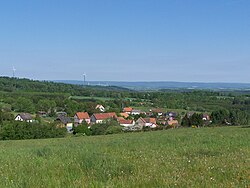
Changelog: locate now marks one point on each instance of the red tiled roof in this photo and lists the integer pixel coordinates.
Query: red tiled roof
(124, 121)
(127, 109)
(124, 115)
(82, 115)
(150, 120)
(102, 116)
(173, 122)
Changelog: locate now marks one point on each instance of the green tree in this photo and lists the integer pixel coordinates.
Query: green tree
(185, 121)
(196, 119)
(82, 128)
(46, 105)
(220, 116)
(24, 105)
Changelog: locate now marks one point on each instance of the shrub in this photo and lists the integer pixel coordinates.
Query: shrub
(110, 126)
(22, 130)
(113, 130)
(83, 129)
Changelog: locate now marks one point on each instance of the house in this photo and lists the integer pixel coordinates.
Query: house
(125, 115)
(79, 117)
(150, 122)
(127, 110)
(149, 114)
(205, 117)
(100, 107)
(172, 115)
(173, 123)
(126, 123)
(140, 123)
(61, 113)
(136, 112)
(100, 117)
(146, 122)
(64, 121)
(158, 111)
(24, 117)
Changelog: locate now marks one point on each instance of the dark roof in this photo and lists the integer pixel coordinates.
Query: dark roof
(189, 114)
(25, 116)
(64, 119)
(172, 114)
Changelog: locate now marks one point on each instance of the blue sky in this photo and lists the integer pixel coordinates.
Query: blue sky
(132, 40)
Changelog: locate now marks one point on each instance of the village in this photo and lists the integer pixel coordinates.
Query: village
(129, 119)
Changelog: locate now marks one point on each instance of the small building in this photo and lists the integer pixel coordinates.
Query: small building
(100, 107)
(173, 123)
(24, 117)
(158, 112)
(172, 114)
(125, 115)
(136, 112)
(150, 122)
(140, 123)
(127, 110)
(79, 117)
(146, 122)
(64, 121)
(126, 123)
(206, 117)
(100, 117)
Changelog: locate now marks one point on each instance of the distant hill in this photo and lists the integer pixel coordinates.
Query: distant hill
(22, 84)
(165, 85)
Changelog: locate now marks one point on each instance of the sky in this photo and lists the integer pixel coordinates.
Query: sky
(126, 40)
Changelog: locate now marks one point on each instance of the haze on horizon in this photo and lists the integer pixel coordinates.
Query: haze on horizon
(115, 40)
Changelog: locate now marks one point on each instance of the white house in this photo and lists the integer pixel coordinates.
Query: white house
(135, 112)
(146, 122)
(126, 123)
(24, 117)
(100, 107)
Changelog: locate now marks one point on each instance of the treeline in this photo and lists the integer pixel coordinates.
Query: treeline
(20, 84)
(16, 130)
(219, 117)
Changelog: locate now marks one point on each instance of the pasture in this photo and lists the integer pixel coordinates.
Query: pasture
(206, 157)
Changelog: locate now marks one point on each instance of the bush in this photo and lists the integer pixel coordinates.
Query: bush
(83, 129)
(108, 127)
(22, 130)
(98, 129)
(113, 130)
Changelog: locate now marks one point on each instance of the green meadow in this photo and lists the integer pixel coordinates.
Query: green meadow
(205, 157)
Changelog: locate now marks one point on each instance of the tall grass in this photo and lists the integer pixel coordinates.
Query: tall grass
(207, 157)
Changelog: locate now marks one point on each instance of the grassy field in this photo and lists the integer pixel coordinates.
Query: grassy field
(207, 157)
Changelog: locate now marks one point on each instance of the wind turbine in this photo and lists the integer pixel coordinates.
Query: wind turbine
(14, 71)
